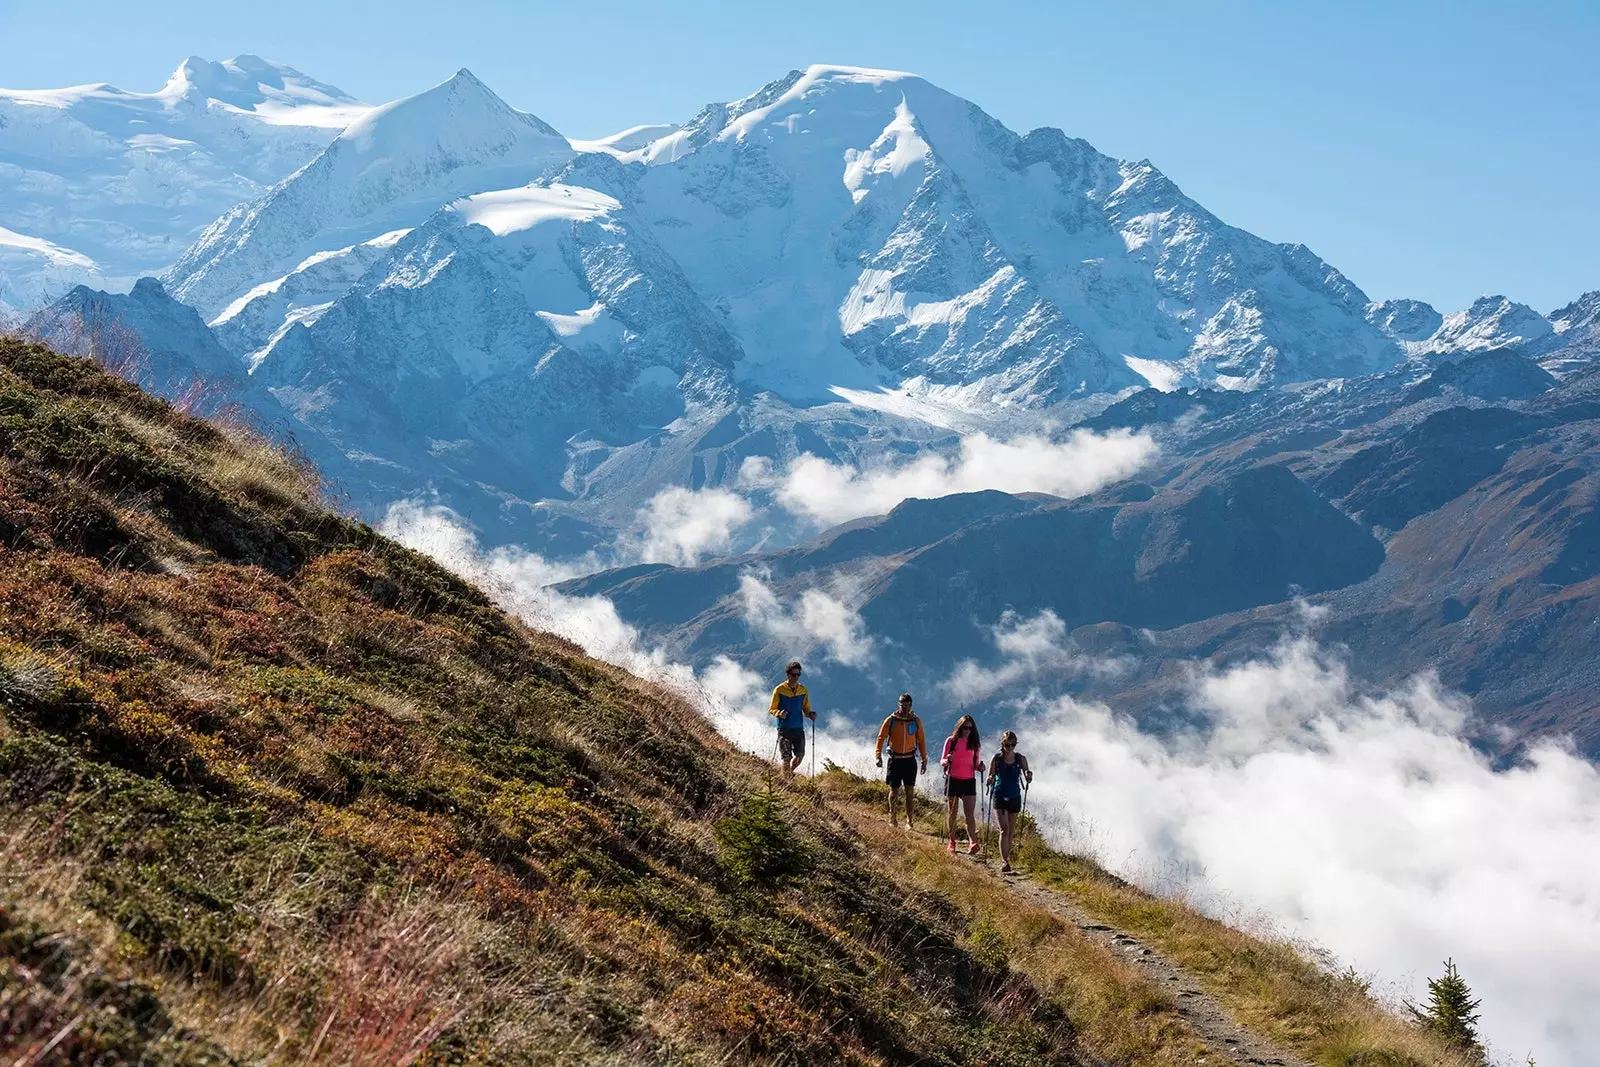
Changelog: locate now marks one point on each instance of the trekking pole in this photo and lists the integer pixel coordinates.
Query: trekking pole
(1020, 815)
(988, 809)
(813, 747)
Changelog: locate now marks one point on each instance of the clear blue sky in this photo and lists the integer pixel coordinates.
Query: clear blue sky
(1430, 149)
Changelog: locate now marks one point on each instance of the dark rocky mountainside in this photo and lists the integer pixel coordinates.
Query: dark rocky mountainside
(1445, 516)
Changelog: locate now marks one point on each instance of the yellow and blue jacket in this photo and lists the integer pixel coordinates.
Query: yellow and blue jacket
(789, 703)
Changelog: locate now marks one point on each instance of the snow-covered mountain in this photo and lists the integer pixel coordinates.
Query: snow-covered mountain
(852, 230)
(849, 263)
(103, 185)
(384, 172)
(1562, 342)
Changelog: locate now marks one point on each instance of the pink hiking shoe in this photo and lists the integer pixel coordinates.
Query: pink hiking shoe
(974, 848)
(950, 846)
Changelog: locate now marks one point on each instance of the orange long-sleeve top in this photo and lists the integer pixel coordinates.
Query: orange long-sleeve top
(905, 736)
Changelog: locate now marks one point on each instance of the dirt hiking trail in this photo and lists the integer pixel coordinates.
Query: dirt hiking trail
(1201, 1010)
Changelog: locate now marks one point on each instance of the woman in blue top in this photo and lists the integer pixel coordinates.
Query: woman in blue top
(1008, 772)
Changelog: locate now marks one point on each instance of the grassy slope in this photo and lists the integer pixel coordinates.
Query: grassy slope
(1270, 986)
(273, 788)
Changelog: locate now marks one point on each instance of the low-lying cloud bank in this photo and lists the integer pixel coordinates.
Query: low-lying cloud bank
(682, 526)
(836, 492)
(813, 618)
(1360, 820)
(1029, 649)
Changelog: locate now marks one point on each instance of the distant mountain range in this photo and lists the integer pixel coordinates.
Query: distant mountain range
(444, 298)
(101, 185)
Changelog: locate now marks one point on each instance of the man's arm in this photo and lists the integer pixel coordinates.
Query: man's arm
(805, 705)
(922, 743)
(883, 735)
(772, 709)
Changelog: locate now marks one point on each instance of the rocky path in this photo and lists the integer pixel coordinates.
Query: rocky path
(1201, 1010)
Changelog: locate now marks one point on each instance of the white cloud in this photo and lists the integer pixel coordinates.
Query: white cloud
(517, 581)
(730, 695)
(833, 493)
(1030, 649)
(682, 526)
(811, 619)
(1360, 820)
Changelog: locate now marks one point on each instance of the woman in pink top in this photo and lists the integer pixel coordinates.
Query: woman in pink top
(962, 765)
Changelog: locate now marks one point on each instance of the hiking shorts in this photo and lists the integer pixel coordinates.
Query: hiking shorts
(1011, 804)
(791, 742)
(902, 773)
(960, 787)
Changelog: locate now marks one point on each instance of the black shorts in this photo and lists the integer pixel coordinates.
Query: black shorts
(1011, 804)
(791, 742)
(960, 787)
(902, 772)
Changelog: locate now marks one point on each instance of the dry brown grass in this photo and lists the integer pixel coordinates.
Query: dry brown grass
(1121, 1016)
(257, 468)
(1268, 985)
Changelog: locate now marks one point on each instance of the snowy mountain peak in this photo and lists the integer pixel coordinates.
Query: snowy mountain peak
(1492, 322)
(841, 91)
(461, 115)
(274, 92)
(1405, 320)
(103, 185)
(1577, 334)
(1582, 313)
(388, 170)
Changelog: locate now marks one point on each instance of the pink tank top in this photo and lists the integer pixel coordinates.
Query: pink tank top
(963, 760)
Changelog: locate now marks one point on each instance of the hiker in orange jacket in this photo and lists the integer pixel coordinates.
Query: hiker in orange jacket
(904, 734)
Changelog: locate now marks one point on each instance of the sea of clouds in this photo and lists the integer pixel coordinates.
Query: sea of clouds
(1311, 805)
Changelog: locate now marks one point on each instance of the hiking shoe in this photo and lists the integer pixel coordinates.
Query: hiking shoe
(950, 846)
(973, 849)
(1005, 868)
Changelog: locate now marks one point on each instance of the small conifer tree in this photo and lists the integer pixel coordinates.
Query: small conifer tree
(758, 844)
(1452, 1013)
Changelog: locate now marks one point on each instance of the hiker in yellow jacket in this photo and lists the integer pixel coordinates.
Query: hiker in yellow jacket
(791, 706)
(904, 734)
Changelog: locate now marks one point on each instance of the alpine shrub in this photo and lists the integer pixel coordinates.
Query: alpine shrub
(758, 845)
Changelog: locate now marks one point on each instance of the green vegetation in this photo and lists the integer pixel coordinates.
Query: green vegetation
(758, 845)
(1451, 1013)
(1327, 1016)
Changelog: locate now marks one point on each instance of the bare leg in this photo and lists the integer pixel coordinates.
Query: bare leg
(969, 806)
(908, 803)
(1004, 819)
(893, 815)
(950, 818)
